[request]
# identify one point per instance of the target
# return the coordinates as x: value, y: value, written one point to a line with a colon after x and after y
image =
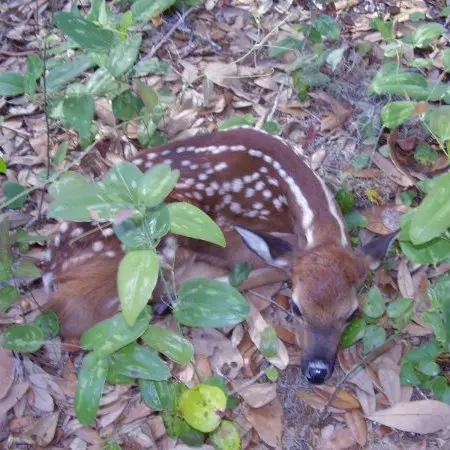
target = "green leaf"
x: 151, y: 65
x: 139, y: 233
x: 11, y: 84
x: 433, y: 252
x: 335, y: 57
x: 123, y: 179
x: 373, y: 305
x: 188, y: 220
x: 345, y: 200
x: 237, y: 121
x: 428, y: 351
x: 396, y: 113
x: 327, y: 27
x: 116, y: 378
x: 26, y: 269
x: 13, y: 190
x: 91, y: 381
x: 3, y: 166
x: 78, y: 113
x: 356, y: 220
x: 102, y: 82
x: 136, y: 279
x: 272, y: 374
x: 239, y: 273
x: 313, y: 77
x: 435, y: 205
x: 138, y: 361
x: 61, y: 153
x: 272, y: 127
x: 435, y: 319
x: 269, y: 343
x: 35, y: 68
x: 48, y: 322
x: 23, y: 338
x: 440, y: 386
x: 398, y: 308
x: 353, y: 332
x: 112, y: 334
x: 88, y: 36
x: 374, y: 337
x: 146, y: 131
x: 438, y: 121
x: 426, y: 33
x: 126, y: 105
x: 226, y: 437
x: 202, y: 406
x: 65, y: 72
x: 8, y: 296
x: 385, y: 28
x: 420, y: 63
x: 408, y: 375
x: 143, y: 10
x: 284, y: 45
x: 171, y: 345
x: 65, y: 184
x: 159, y: 395
x: 429, y: 368
x: 425, y: 155
x: 156, y: 184
x: 446, y: 58
x: 123, y: 55
x: 176, y: 427
x: 209, y: 303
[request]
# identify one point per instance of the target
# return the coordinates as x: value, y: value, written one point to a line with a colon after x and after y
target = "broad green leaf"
x: 440, y: 388
x: 23, y: 338
x: 14, y: 194
x: 101, y: 82
x: 420, y: 63
x: 176, y: 427
x: 438, y: 121
x: 123, y: 55
x: 426, y: 33
x: 353, y: 332
x: 385, y: 28
x: 226, y: 437
x: 239, y: 273
x: 143, y: 10
x: 425, y: 155
x: 156, y: 184
x: 148, y: 96
x: 272, y: 374
x: 356, y: 220
x: 425, y: 352
x: 446, y: 58
x: 147, y: 129
x: 313, y: 77
x: 26, y: 269
x: 126, y: 105
x: 125, y: 22
x: 398, y: 308
x: 86, y: 34
x: 61, y: 153
x: 429, y: 368
x: 188, y: 220
x: 327, y: 27
x: 3, y: 166
x: 136, y: 279
x: 397, y: 113
x: 78, y: 113
x: 202, y: 406
x: 172, y: 345
x: 11, y: 84
x: 392, y: 80
x: 91, y: 381
x: 335, y: 57
x: 408, y: 375
x: 138, y: 361
x: 159, y: 395
x: 374, y: 337
x: 284, y: 45
x: 116, y: 378
x: 433, y: 252
x: 65, y: 72
x: 346, y: 200
x: 208, y: 303
x: 112, y: 334
x: 123, y: 179
x: 66, y: 183
x: 140, y: 233
x: 396, y: 49
x: 48, y: 322
x: 373, y: 305
x: 237, y: 121
x: 272, y: 127
x: 151, y: 65
x: 35, y: 68
x: 8, y: 296
x: 435, y: 206
x: 98, y: 12
x: 269, y: 343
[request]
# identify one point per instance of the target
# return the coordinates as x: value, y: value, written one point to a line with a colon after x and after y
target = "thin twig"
x: 248, y: 383
x: 14, y: 130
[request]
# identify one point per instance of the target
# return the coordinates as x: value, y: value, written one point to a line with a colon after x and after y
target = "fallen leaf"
x: 43, y: 430
x: 384, y: 219
x: 341, y: 398
x: 340, y: 439
x: 6, y: 371
x: 391, y: 171
x: 341, y: 112
x: 13, y: 396
x: 422, y: 416
x: 357, y: 426
x: 257, y: 395
x: 267, y: 421
x: 285, y: 335
x: 390, y: 382
x: 404, y: 280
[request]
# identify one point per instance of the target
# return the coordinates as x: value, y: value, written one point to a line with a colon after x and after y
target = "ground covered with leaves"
x: 351, y: 82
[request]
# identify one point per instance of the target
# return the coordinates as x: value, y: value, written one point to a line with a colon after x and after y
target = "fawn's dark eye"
x: 353, y: 315
x: 296, y: 310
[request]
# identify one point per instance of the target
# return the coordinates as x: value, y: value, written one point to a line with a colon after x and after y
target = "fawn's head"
x: 324, y: 283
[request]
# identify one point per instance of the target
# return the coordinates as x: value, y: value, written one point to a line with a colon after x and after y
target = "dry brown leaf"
x: 341, y: 398
x: 417, y: 330
x: 404, y: 280
x: 39, y: 398
x: 157, y: 428
x: 285, y: 335
x: 256, y: 326
x: 341, y: 112
x: 43, y: 430
x: 384, y: 219
x: 367, y: 401
x: 390, y: 382
x: 391, y: 171
x: 13, y: 396
x: 357, y: 426
x: 257, y: 395
x: 267, y: 421
x: 6, y: 371
x: 317, y: 402
x: 340, y: 439
x: 423, y: 416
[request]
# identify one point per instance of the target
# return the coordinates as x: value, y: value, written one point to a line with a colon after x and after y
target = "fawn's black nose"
x: 317, y: 372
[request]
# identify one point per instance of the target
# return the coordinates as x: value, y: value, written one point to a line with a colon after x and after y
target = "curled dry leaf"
x: 357, y: 426
x: 317, y: 402
x: 6, y: 371
x: 267, y: 421
x: 257, y: 395
x: 405, y: 282
x: 256, y: 326
x: 13, y: 396
x: 341, y: 399
x: 341, y: 111
x: 423, y: 416
x: 391, y: 171
x: 384, y: 219
x: 43, y: 430
x: 40, y: 399
x: 340, y: 439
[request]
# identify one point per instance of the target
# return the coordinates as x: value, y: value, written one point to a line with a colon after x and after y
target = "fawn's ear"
x: 375, y: 251
x: 273, y: 250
